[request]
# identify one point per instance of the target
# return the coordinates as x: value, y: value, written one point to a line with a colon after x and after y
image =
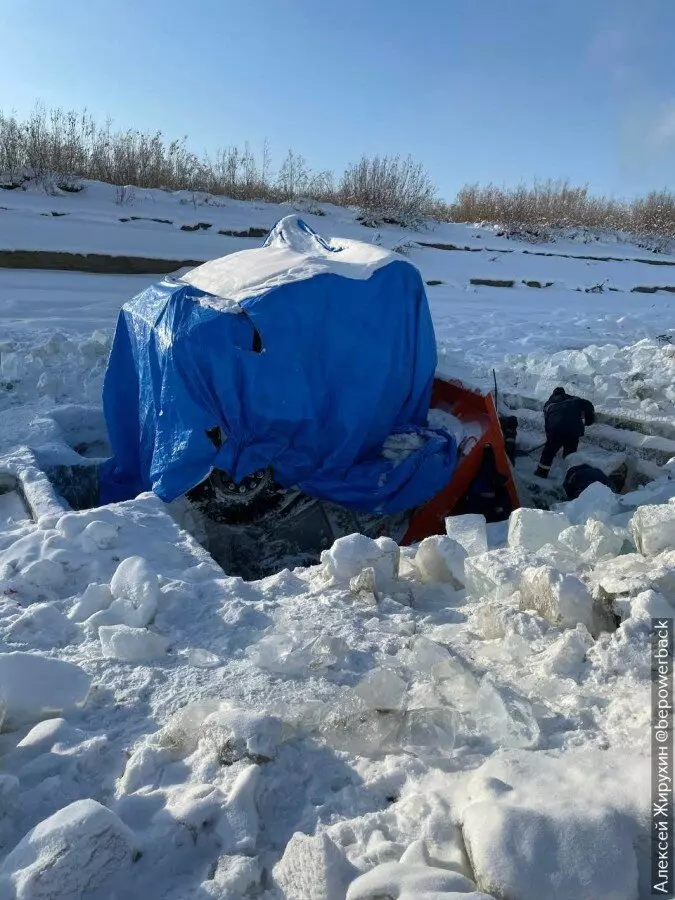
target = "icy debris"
x: 347, y: 724
x: 202, y: 659
x: 425, y: 657
x: 506, y: 718
x: 662, y: 579
x: 628, y: 574
x: 77, y: 852
x: 497, y: 573
x: 328, y: 651
x: 366, y: 583
x: 239, y: 823
x: 593, y: 541
x: 282, y: 654
x: 239, y: 733
x: 235, y: 733
x: 470, y: 531
x: 95, y: 598
x: 42, y: 625
x: 429, y: 731
x: 596, y: 502
x: 441, y: 559
x: 134, y: 645
x: 313, y: 868
x: 532, y: 529
x: 563, y: 600
x: 382, y: 689
x: 33, y: 687
x: 351, y: 554
x: 236, y: 876
x: 567, y: 655
x: 653, y: 529
x: 293, y: 655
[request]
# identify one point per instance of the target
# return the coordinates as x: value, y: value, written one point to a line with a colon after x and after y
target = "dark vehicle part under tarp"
x: 282, y: 370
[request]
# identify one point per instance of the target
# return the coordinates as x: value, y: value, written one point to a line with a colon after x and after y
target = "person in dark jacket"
x: 565, y: 418
x: 578, y: 478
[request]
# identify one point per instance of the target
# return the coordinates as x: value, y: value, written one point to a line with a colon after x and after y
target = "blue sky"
x: 478, y: 90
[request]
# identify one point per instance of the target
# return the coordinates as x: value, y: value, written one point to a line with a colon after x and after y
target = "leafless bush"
x: 535, y: 212
x: 389, y: 190
x: 59, y: 148
x: 653, y: 219
x: 125, y: 195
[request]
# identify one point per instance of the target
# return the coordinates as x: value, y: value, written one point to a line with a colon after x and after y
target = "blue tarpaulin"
x: 306, y: 355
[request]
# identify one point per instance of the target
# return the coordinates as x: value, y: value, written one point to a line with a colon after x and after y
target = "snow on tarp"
x: 331, y: 351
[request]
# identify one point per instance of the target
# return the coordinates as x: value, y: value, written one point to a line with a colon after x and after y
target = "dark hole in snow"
x: 77, y: 484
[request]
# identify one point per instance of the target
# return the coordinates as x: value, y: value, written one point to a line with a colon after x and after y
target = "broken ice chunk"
x: 282, y: 654
x: 507, y: 718
x: 563, y: 600
x: 351, y: 554
x: 620, y: 575
x: 653, y: 529
x: 596, y: 502
x: 441, y: 559
x: 531, y: 529
x: 497, y: 573
x: 592, y: 541
x: 382, y: 689
x: 470, y: 531
x: 429, y: 730
x: 313, y: 867
x: 131, y: 644
x: 566, y: 656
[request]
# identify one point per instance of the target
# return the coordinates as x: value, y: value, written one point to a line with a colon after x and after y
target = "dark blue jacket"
x: 567, y: 415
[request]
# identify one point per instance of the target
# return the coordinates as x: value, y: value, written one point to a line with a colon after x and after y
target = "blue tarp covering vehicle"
x: 301, y: 357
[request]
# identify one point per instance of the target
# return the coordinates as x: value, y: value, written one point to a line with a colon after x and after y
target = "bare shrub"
x: 125, y: 195
x: 60, y: 148
x: 653, y: 219
x: 535, y: 212
x: 388, y: 190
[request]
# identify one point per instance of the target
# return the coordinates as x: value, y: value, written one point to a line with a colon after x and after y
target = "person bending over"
x: 565, y: 418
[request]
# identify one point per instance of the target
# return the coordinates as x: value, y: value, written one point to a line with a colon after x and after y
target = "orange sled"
x: 477, y: 409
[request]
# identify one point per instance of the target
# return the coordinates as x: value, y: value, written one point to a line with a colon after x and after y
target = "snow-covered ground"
x: 469, y: 718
